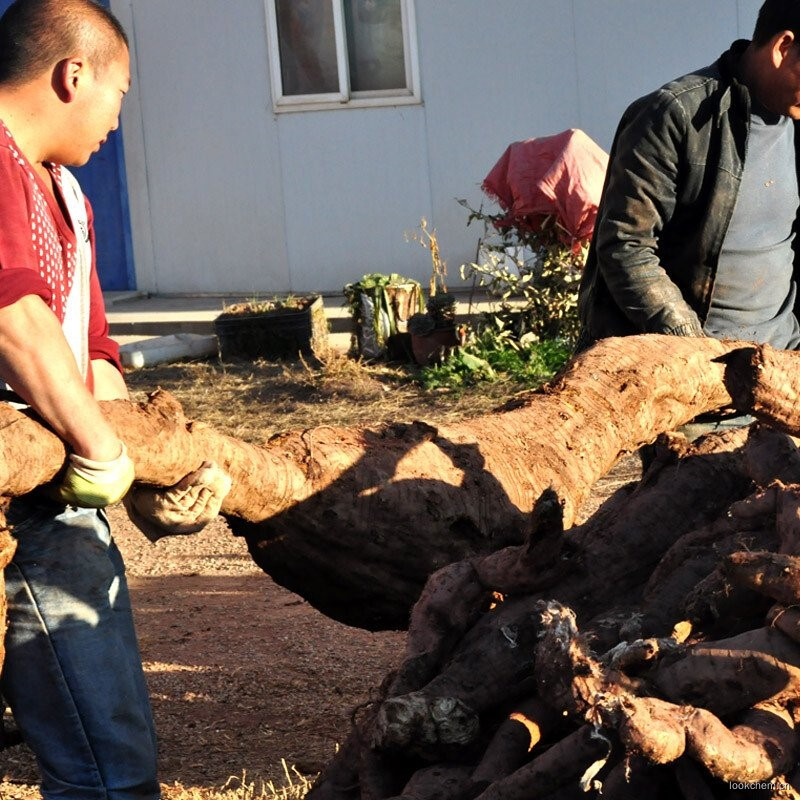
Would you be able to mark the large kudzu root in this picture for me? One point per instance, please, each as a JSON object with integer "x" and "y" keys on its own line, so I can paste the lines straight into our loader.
{"x": 633, "y": 778}
{"x": 535, "y": 565}
{"x": 734, "y": 674}
{"x": 786, "y": 620}
{"x": 682, "y": 497}
{"x": 568, "y": 673}
{"x": 455, "y": 596}
{"x": 763, "y": 382}
{"x": 772, "y": 456}
{"x": 650, "y": 727}
{"x": 423, "y": 726}
{"x": 449, "y": 604}
{"x": 717, "y": 605}
{"x": 775, "y": 575}
{"x": 565, "y": 762}
{"x": 441, "y": 782}
{"x": 516, "y": 737}
{"x": 687, "y": 583}
{"x": 761, "y": 746}
{"x": 488, "y": 667}
{"x": 757, "y": 668}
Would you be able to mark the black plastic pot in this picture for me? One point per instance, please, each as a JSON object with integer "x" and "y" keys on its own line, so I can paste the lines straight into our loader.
{"x": 428, "y": 347}
{"x": 283, "y": 333}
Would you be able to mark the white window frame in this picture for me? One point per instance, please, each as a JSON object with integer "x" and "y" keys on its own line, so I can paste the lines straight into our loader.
{"x": 345, "y": 98}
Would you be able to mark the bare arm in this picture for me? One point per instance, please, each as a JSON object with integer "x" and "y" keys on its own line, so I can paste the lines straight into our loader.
{"x": 108, "y": 381}
{"x": 35, "y": 360}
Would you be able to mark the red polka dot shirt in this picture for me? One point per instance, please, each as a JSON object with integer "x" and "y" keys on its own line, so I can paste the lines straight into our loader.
{"x": 38, "y": 246}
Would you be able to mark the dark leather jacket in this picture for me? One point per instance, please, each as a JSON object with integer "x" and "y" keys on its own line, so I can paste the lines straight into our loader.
{"x": 673, "y": 176}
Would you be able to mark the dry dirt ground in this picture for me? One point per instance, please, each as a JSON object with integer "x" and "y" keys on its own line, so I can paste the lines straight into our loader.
{"x": 245, "y": 677}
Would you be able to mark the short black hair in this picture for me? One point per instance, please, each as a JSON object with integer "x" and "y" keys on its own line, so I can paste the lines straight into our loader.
{"x": 36, "y": 34}
{"x": 776, "y": 16}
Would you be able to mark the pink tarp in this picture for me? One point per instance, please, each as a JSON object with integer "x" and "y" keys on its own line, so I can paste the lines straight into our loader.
{"x": 561, "y": 175}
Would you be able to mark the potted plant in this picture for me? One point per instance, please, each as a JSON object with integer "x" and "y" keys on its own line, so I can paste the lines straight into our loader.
{"x": 433, "y": 332}
{"x": 380, "y": 307}
{"x": 272, "y": 328}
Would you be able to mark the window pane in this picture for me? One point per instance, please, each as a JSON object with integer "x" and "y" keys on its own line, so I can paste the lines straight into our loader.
{"x": 308, "y": 46}
{"x": 375, "y": 44}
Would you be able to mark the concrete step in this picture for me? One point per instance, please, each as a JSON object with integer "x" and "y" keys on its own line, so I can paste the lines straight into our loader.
{"x": 133, "y": 316}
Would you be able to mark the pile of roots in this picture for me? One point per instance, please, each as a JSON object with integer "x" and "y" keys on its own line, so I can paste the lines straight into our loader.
{"x": 651, "y": 652}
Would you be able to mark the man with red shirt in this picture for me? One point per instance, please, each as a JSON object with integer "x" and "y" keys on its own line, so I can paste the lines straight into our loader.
{"x": 73, "y": 674}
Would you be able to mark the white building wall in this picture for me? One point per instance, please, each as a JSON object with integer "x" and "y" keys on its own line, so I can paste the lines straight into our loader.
{"x": 227, "y": 196}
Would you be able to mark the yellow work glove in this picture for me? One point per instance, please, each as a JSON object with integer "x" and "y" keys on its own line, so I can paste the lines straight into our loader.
{"x": 186, "y": 507}
{"x": 96, "y": 484}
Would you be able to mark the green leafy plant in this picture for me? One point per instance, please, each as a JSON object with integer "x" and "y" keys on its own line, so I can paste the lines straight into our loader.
{"x": 533, "y": 273}
{"x": 379, "y": 290}
{"x": 495, "y": 353}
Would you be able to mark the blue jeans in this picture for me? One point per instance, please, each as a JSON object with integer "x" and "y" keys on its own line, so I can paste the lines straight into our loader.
{"x": 73, "y": 675}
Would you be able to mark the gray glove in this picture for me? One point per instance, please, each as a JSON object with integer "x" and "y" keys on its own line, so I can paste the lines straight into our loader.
{"x": 186, "y": 507}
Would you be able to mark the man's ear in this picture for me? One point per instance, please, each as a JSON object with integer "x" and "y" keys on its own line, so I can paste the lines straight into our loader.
{"x": 781, "y": 46}
{"x": 67, "y": 75}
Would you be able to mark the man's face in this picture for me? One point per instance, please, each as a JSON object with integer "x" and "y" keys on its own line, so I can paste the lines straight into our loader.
{"x": 96, "y": 108}
{"x": 782, "y": 94}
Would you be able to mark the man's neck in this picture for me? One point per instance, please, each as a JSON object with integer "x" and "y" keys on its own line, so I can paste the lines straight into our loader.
{"x": 27, "y": 120}
{"x": 20, "y": 122}
{"x": 748, "y": 70}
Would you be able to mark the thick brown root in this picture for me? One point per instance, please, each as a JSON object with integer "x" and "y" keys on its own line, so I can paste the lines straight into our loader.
{"x": 718, "y": 606}
{"x": 442, "y": 782}
{"x": 414, "y": 723}
{"x": 651, "y": 728}
{"x": 762, "y": 382}
{"x": 724, "y": 708}
{"x": 449, "y": 604}
{"x": 336, "y": 514}
{"x": 772, "y": 455}
{"x": 7, "y": 548}
{"x": 514, "y": 740}
{"x": 539, "y": 562}
{"x": 686, "y": 581}
{"x": 563, "y": 763}
{"x": 772, "y": 574}
{"x": 786, "y": 620}
{"x": 734, "y": 674}
{"x": 488, "y": 669}
{"x": 787, "y": 519}
{"x": 761, "y": 746}
{"x": 727, "y": 676}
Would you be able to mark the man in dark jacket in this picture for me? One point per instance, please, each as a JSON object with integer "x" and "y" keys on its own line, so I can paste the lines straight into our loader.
{"x": 695, "y": 233}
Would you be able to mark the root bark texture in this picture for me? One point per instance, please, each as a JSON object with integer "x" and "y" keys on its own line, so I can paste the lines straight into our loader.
{"x": 652, "y": 651}
{"x": 338, "y": 514}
